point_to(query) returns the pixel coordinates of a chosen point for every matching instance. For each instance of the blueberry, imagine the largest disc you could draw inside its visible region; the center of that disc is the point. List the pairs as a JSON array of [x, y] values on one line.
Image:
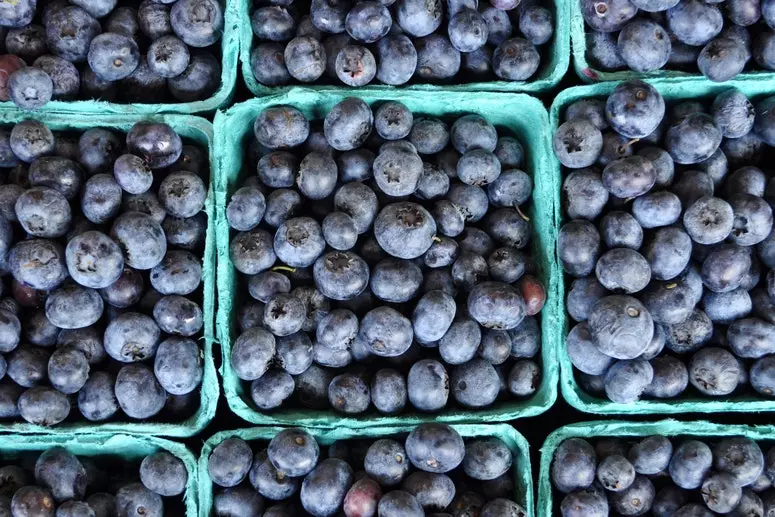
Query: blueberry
[[741, 458], [583, 191], [573, 466], [267, 61], [43, 212], [388, 391], [178, 366], [273, 23], [607, 16], [96, 399], [305, 59], [693, 139], [30, 88], [252, 352], [362, 498], [584, 503], [486, 459], [268, 481], [138, 392], [27, 365], [199, 80], [577, 143], [468, 30], [68, 370], [135, 498], [428, 385], [43, 406], [368, 21], [329, 15], [621, 230], [399, 503], [74, 509], [397, 59], [131, 337], [179, 272], [164, 474], [324, 489], [387, 333], [73, 306], [752, 219], [690, 463], [230, 462], [583, 352], [634, 109], [435, 448], [69, 33], [199, 23], [418, 18], [762, 376], [644, 45], [750, 337], [709, 220], [615, 473], [459, 344], [602, 50], [355, 65], [100, 198], [634, 500], [437, 59], [537, 24], [515, 59], [386, 462], [578, 247], [621, 325], [721, 492], [651, 455], [298, 242], [32, 501], [670, 378]]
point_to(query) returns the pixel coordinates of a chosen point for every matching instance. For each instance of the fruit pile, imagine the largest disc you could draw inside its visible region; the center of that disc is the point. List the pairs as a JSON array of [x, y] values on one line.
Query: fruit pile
[[397, 40], [379, 251], [434, 470], [59, 483], [668, 241], [720, 39], [100, 233], [148, 52], [660, 477]]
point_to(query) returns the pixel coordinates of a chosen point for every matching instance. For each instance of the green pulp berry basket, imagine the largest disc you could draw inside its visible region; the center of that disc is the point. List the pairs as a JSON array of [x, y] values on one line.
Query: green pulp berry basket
[[554, 63], [588, 73], [190, 128], [671, 90], [128, 448], [229, 50], [634, 430], [524, 116], [522, 474]]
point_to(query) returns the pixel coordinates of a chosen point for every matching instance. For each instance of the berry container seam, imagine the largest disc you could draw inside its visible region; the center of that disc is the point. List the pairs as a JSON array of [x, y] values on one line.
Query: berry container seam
[[674, 89], [525, 116], [128, 447], [521, 469], [200, 131], [549, 74], [589, 74], [622, 429]]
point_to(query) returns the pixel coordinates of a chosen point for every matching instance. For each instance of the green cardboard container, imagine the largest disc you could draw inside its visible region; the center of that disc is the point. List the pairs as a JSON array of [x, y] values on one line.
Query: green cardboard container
[[229, 43], [556, 56], [521, 470], [127, 447], [635, 430], [589, 74], [191, 128], [524, 116], [671, 90]]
